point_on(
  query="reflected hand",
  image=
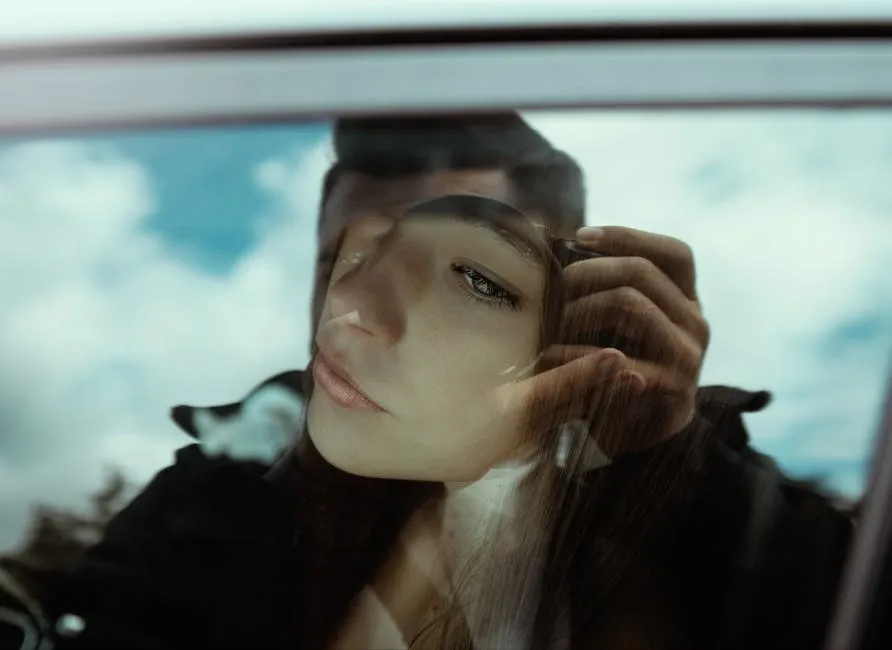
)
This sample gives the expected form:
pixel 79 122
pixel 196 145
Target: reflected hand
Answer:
pixel 640 297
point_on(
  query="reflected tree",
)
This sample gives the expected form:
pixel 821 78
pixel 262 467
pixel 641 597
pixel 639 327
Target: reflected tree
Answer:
pixel 56 538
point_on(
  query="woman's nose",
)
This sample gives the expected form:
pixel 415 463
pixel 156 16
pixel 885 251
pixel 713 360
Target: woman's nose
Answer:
pixel 367 298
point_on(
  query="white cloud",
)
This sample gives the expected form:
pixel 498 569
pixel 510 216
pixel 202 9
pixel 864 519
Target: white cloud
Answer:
pixel 790 219
pixel 102 328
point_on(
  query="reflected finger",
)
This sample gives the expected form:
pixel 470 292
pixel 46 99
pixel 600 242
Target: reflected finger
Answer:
pixel 606 273
pixel 561 393
pixel 672 256
pixel 629 314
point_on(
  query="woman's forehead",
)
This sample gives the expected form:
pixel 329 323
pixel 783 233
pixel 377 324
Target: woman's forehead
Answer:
pixel 355 193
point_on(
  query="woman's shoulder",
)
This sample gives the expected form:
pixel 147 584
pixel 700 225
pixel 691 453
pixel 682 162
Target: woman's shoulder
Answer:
pixel 736 547
pixel 758 549
pixel 199 541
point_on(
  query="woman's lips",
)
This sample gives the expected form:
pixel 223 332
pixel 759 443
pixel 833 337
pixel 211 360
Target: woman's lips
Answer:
pixel 339 388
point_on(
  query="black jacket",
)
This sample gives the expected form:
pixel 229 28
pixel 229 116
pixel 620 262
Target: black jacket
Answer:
pixel 756 559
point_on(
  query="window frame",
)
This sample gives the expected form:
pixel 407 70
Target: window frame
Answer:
pixel 111 85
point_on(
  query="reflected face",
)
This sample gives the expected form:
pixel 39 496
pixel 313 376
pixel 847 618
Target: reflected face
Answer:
pixel 426 314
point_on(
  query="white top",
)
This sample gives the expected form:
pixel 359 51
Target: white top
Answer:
pixel 471 511
pixel 371 627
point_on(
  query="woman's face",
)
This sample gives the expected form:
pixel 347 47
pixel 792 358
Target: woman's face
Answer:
pixel 426 316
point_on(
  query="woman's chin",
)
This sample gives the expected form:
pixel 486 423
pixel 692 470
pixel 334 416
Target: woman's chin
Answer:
pixel 337 446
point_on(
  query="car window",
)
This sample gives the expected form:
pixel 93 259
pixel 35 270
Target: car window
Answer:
pixel 410 279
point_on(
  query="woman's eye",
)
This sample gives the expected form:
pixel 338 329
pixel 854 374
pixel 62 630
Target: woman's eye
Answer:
pixel 484 289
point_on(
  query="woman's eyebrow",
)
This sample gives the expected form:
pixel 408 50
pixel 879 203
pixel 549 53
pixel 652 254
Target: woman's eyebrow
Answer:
pixel 505 221
pixel 527 245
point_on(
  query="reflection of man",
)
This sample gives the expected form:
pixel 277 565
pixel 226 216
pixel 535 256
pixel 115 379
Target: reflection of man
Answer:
pixel 644 286
pixel 197 547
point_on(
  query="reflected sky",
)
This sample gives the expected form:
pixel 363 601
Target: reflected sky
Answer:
pixel 143 270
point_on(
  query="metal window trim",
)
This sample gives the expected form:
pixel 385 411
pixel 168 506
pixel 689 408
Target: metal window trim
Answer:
pixel 196 87
pixel 869 546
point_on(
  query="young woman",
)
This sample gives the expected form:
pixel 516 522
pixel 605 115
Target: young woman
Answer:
pixel 480 466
